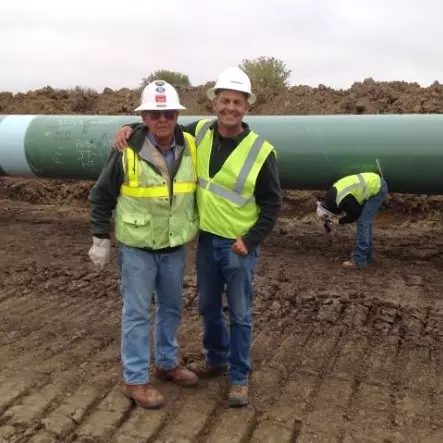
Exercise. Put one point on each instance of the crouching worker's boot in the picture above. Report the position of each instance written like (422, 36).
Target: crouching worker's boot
(144, 396)
(352, 264)
(238, 395)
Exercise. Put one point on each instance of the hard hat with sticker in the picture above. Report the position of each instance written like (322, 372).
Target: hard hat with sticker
(159, 95)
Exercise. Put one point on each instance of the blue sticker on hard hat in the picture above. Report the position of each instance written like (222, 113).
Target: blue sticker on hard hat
(159, 82)
(160, 89)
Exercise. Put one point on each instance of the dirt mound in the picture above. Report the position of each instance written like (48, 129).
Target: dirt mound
(62, 192)
(367, 97)
(297, 204)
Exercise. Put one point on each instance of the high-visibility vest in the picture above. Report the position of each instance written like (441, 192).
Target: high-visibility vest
(226, 201)
(362, 186)
(151, 211)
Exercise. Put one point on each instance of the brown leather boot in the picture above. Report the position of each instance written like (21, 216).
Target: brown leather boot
(352, 265)
(144, 396)
(238, 395)
(179, 375)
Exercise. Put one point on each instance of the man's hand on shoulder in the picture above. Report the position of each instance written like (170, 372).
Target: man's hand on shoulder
(122, 137)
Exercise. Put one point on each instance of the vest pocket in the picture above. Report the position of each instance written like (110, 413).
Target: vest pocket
(136, 219)
(138, 228)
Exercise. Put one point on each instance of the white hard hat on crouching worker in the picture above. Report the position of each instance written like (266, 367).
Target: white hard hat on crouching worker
(233, 79)
(323, 213)
(159, 96)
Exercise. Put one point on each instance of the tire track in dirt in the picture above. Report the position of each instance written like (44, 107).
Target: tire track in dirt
(37, 408)
(87, 336)
(41, 324)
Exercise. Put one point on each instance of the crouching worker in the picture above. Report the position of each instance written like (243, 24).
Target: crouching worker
(355, 198)
(151, 185)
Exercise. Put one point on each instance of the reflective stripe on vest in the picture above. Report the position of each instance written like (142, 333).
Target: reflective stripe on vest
(203, 130)
(361, 184)
(193, 149)
(133, 189)
(231, 196)
(235, 196)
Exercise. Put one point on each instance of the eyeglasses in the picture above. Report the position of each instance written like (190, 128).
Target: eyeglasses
(169, 115)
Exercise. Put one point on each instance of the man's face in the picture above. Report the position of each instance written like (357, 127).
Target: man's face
(160, 123)
(230, 107)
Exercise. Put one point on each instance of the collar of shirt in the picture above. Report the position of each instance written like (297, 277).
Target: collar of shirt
(237, 138)
(153, 140)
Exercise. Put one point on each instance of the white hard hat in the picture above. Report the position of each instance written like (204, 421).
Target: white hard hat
(233, 79)
(159, 96)
(323, 213)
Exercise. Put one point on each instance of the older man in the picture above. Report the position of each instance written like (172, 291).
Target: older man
(239, 199)
(151, 184)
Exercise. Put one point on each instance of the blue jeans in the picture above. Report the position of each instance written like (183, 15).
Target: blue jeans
(363, 248)
(218, 266)
(142, 272)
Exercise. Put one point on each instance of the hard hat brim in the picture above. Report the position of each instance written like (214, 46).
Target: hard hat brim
(159, 108)
(211, 94)
(323, 212)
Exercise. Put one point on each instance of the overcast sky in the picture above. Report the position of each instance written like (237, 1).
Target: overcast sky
(97, 43)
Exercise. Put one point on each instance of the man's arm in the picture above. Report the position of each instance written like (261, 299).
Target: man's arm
(352, 208)
(268, 197)
(124, 133)
(103, 195)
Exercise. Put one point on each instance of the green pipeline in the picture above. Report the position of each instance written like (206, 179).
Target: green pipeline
(313, 151)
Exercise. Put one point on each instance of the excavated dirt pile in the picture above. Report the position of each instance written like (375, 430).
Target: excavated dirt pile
(368, 97)
(338, 356)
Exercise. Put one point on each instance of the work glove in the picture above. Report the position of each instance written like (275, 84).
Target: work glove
(100, 251)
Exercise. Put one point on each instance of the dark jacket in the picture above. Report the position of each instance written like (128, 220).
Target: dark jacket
(349, 205)
(103, 196)
(267, 193)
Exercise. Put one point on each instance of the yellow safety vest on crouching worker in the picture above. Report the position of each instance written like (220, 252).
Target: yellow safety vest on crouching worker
(226, 201)
(151, 211)
(361, 186)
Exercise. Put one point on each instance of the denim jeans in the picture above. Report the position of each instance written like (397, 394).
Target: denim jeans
(219, 267)
(141, 273)
(363, 248)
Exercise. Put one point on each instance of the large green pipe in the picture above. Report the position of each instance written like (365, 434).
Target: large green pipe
(313, 151)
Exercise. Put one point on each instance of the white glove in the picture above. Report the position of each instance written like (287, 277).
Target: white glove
(100, 251)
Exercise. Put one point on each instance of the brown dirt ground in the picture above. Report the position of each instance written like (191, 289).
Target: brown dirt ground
(338, 356)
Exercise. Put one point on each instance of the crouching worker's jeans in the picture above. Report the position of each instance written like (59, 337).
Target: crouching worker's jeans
(142, 272)
(363, 248)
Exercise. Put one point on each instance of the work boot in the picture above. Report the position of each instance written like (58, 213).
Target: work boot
(179, 375)
(352, 265)
(238, 395)
(144, 396)
(205, 370)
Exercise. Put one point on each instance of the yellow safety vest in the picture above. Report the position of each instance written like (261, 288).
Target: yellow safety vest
(226, 201)
(362, 186)
(151, 212)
